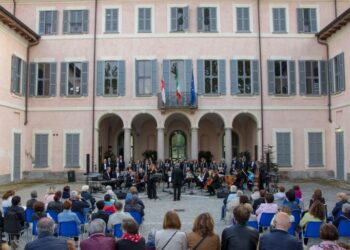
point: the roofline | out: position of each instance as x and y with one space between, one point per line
18 26
334 26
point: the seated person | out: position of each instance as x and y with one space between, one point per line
97 238
342 198
291 201
329 236
230 196
316 213
133 193
267 207
131 238
17 209
66 192
257 202
118 216
78 204
39 211
109 204
215 184
56 205
344 216
67 214
109 191
133 206
100 214
86 195
30 203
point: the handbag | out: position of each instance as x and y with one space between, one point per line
169 240
199 243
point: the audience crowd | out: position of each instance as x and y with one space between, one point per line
262 220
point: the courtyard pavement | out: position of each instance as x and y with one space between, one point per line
191 205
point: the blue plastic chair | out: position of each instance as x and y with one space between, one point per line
297 216
344 228
118 230
312 230
81 217
28 215
53 215
137 217
5 209
265 219
34 231
68 229
253 224
291 229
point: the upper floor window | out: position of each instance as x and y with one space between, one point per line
111 21
75 21
281 77
245 77
110 78
48 22
243 20
313 77
18 75
145 20
279 20
307 20
207 19
146 77
211 77
42 79
74 79
179 19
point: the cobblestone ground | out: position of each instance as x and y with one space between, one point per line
191 205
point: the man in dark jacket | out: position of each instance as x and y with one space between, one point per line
33 196
78 204
279 238
46 240
240 236
177 178
100 214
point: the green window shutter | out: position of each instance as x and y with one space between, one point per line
173 19
53 76
108 20
24 78
200 76
42 22
271 77
234 77
154 77
65 21
300 18
54 21
188 75
246 20
84 78
313 20
255 76
100 77
222 77
283 148
121 78
291 76
64 79
283 21
315 149
32 83
200 17
342 72
166 75
85 21
213 20
302 78
239 19
14 69
186 18
115 20
276 21
323 77
331 75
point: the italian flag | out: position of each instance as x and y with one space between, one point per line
162 90
178 92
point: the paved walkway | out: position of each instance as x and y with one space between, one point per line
190 205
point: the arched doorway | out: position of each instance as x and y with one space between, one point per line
235 145
246 138
178 145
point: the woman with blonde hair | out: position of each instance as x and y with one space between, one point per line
342 198
202 236
171 237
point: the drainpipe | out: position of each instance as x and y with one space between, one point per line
27 83
335 8
328 80
93 94
14 7
261 83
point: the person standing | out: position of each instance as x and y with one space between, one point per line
177 178
152 182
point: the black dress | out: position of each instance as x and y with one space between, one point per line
128 245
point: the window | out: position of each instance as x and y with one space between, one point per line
279 20
211 82
339 73
111 25
307 20
283 148
43 87
48 22
18 75
74 79
144 77
41 150
207 19
312 78
177 75
179 19
145 20
111 78
244 77
315 149
42 80
75 21
243 22
72 150
281 75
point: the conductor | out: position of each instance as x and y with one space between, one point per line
177 178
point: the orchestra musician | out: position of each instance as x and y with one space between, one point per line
151 182
213 182
189 177
108 178
203 177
